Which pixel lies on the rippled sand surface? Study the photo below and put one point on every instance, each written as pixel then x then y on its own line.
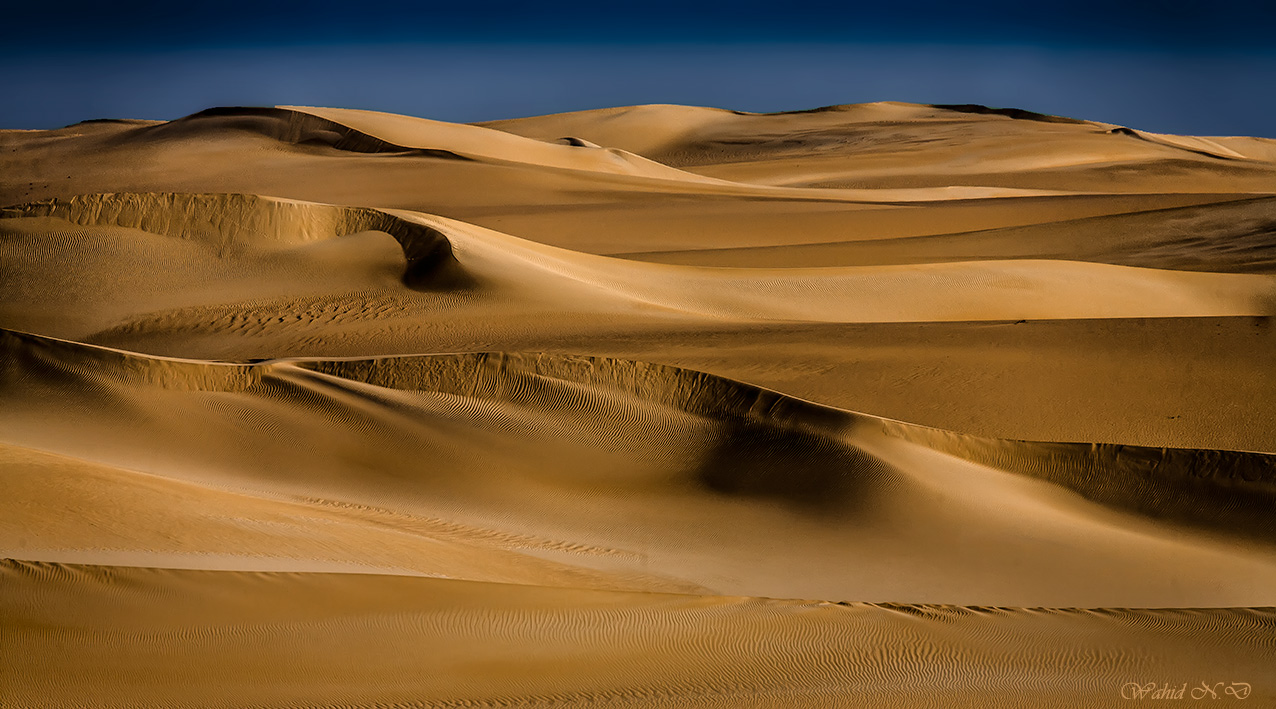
pixel 874 405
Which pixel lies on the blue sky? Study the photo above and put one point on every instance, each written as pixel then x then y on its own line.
pixel 1174 66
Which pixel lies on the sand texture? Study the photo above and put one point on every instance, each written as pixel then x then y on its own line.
pixel 881 405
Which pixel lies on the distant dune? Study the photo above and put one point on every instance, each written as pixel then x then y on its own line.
pixel 879 405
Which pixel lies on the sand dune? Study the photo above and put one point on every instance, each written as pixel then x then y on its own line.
pixel 232 152
pixel 499 146
pixel 309 406
pixel 892 143
pixel 491 282
pixel 673 451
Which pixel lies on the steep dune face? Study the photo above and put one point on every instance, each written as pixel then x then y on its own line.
pixel 557 410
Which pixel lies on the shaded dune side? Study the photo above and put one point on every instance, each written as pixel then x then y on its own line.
pixel 1225 491
pixel 103 636
pixel 230 221
pixel 766 443
pixel 278 124
pixel 1016 113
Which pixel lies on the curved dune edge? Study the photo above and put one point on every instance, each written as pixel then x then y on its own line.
pixel 1008 289
pixel 230 221
pixel 1227 492
pixel 115 636
pixel 451 256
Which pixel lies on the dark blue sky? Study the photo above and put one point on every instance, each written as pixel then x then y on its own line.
pixel 1163 23
pixel 1176 66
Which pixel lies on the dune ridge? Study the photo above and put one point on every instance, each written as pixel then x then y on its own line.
pixel 281 124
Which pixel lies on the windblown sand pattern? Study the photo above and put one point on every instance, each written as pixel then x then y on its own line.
pixel 877 405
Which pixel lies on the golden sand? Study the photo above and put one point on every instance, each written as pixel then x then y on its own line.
pixel 875 405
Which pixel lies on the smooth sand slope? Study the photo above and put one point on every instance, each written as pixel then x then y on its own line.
pixel 309 407
pixel 433 642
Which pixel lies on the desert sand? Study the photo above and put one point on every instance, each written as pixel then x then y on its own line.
pixel 873 405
